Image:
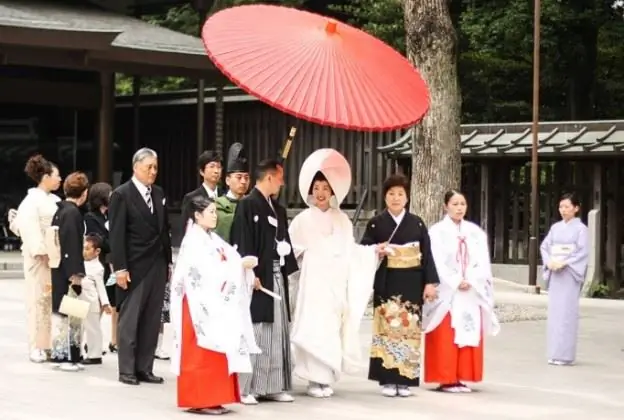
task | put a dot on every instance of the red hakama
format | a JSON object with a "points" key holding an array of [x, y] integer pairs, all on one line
{"points": [[204, 381], [445, 362]]}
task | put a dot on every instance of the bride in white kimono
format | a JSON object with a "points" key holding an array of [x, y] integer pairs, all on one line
{"points": [[456, 323], [335, 278], [213, 335]]}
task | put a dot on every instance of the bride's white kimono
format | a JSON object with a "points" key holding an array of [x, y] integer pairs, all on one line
{"points": [[209, 272], [334, 287], [461, 252]]}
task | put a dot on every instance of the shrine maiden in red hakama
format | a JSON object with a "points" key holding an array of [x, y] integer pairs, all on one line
{"points": [[210, 297], [456, 322]]}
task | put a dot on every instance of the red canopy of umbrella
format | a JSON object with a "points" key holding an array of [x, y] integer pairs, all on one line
{"points": [[316, 68]]}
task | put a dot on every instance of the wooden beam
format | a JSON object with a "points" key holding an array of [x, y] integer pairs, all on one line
{"points": [[58, 38], [43, 92], [116, 63]]}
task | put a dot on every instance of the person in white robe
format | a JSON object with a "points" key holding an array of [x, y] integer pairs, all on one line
{"points": [[335, 280], [456, 322], [213, 336]]}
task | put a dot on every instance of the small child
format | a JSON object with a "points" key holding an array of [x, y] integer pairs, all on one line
{"points": [[94, 292]]}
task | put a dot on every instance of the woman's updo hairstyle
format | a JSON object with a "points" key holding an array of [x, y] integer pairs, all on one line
{"points": [[199, 204], [319, 176], [37, 167], [396, 180], [572, 197], [450, 193]]}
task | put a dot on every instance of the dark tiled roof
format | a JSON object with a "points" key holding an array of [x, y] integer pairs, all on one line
{"points": [[134, 33], [555, 138]]}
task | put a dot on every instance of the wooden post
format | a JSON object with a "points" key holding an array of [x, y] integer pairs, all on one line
{"points": [[136, 112], [105, 131], [219, 117], [201, 87]]}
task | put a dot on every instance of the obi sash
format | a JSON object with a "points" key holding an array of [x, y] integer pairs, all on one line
{"points": [[405, 256]]}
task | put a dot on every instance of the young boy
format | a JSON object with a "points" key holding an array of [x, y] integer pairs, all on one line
{"points": [[94, 292]]}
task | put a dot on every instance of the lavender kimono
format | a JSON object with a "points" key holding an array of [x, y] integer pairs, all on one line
{"points": [[566, 242]]}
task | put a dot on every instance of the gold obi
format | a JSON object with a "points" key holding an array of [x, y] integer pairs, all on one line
{"points": [[405, 257]]}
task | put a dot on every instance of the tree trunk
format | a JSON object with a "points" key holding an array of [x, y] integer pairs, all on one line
{"points": [[436, 162]]}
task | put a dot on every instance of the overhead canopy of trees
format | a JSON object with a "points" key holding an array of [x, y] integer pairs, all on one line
{"points": [[582, 53]]}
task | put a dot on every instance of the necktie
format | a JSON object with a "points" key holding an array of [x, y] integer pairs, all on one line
{"points": [[148, 199]]}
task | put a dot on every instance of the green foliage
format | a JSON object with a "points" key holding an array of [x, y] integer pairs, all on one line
{"points": [[381, 18], [600, 291]]}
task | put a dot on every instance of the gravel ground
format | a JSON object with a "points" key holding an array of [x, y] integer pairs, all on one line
{"points": [[506, 312]]}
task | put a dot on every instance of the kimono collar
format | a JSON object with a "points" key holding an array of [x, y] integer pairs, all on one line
{"points": [[450, 224], [397, 219]]}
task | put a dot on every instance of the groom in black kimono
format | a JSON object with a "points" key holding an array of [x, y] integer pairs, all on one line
{"points": [[260, 229]]}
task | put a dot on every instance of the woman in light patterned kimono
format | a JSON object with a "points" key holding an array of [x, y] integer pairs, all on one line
{"points": [[33, 217], [565, 253]]}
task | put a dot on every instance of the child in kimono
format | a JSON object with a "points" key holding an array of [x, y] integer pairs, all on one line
{"points": [[94, 292], [565, 254]]}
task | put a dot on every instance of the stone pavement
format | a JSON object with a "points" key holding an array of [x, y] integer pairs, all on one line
{"points": [[519, 384]]}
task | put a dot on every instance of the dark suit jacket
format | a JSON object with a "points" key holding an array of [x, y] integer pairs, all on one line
{"points": [[186, 211], [139, 240], [95, 222]]}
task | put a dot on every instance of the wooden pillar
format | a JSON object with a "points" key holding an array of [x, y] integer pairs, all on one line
{"points": [[486, 202], [136, 113], [106, 127], [501, 213], [613, 227], [599, 203], [219, 116]]}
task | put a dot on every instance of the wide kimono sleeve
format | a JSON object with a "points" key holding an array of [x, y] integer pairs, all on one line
{"points": [[29, 228], [290, 265], [296, 230], [369, 237], [118, 214], [242, 233], [545, 252], [577, 261], [439, 243], [428, 262]]}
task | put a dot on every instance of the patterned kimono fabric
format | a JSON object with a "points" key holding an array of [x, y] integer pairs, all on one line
{"points": [[66, 337], [568, 242], [272, 372], [35, 214], [398, 297]]}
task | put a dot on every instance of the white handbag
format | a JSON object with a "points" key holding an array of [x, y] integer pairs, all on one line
{"points": [[53, 246], [74, 307]]}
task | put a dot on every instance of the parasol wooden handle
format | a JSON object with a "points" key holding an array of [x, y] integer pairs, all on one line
{"points": [[288, 144]]}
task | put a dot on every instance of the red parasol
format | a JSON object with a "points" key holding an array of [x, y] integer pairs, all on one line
{"points": [[316, 68]]}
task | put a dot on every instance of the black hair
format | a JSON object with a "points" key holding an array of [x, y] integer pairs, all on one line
{"points": [[94, 239], [198, 204], [450, 193], [206, 157], [395, 180], [99, 194], [266, 167], [572, 197], [319, 176], [37, 167]]}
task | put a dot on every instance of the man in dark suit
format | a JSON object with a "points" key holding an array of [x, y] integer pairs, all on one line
{"points": [[210, 167], [141, 257]]}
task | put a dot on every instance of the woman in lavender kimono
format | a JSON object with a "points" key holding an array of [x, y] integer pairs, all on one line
{"points": [[564, 255]]}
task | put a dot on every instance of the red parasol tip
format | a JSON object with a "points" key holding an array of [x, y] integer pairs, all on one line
{"points": [[330, 27]]}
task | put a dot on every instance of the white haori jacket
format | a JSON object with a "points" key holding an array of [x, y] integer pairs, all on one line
{"points": [[218, 289], [461, 253]]}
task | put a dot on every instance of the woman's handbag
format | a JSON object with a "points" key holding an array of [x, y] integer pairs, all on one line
{"points": [[52, 246], [74, 307]]}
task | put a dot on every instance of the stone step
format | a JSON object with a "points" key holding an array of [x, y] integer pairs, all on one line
{"points": [[11, 274]]}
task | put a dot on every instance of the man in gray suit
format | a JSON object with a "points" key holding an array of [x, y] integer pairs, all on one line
{"points": [[141, 257]]}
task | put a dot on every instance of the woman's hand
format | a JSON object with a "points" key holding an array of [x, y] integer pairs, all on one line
{"points": [[257, 284], [464, 285], [431, 293], [382, 249]]}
